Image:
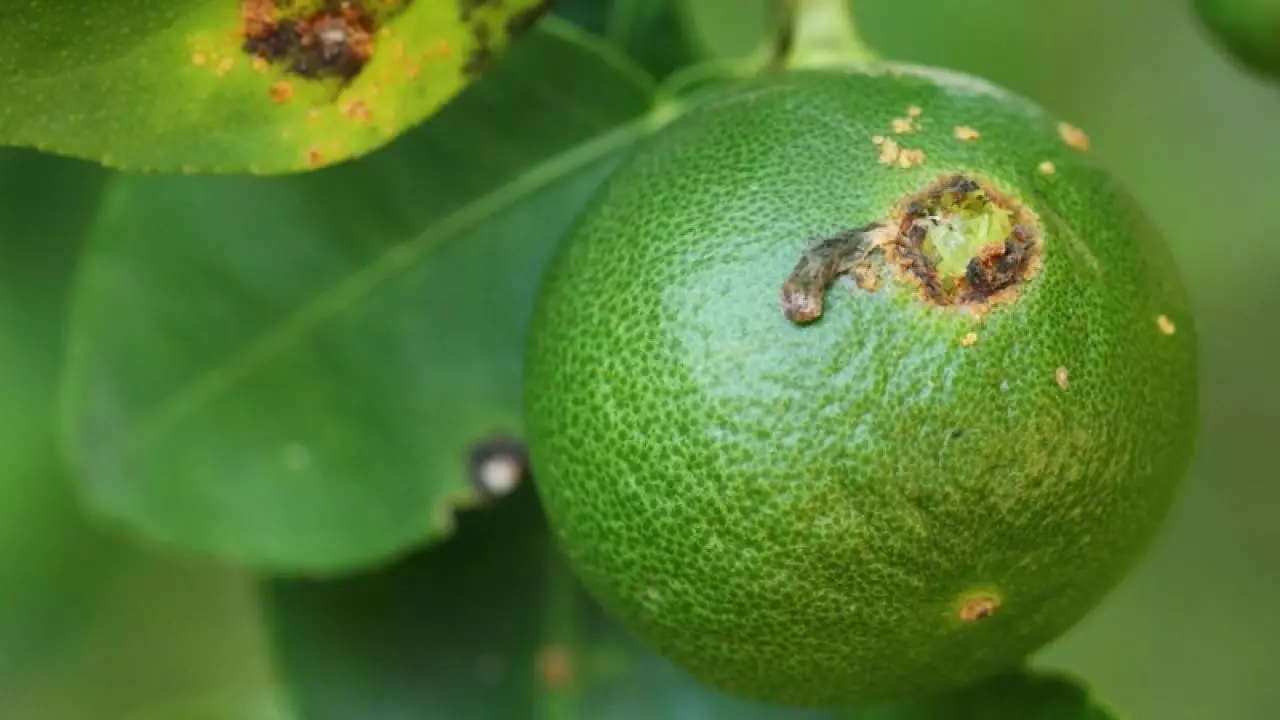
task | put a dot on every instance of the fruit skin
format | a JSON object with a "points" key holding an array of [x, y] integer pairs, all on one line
{"points": [[1250, 29], [797, 513]]}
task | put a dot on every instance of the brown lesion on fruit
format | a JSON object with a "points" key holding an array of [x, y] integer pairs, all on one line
{"points": [[805, 290], [315, 39], [960, 241], [977, 606]]}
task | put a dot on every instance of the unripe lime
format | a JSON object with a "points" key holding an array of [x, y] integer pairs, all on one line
{"points": [[901, 487], [1249, 29]]}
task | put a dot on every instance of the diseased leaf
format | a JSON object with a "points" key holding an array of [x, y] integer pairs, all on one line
{"points": [[292, 372], [263, 86], [490, 624], [1023, 695]]}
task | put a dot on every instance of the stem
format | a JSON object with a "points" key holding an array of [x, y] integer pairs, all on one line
{"points": [[820, 34]]}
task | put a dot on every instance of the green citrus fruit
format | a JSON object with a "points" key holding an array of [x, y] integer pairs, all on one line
{"points": [[859, 385], [1250, 29]]}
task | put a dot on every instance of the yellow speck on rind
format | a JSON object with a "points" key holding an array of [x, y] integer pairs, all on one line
{"points": [[890, 150], [1166, 325], [908, 159], [902, 126], [1073, 136], [1048, 168], [970, 339], [1063, 378], [964, 133]]}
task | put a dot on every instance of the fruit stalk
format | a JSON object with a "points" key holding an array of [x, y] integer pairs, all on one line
{"points": [[819, 34]]}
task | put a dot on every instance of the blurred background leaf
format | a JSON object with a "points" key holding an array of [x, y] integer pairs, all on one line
{"points": [[1016, 696], [291, 372], [167, 85], [90, 627], [488, 625]]}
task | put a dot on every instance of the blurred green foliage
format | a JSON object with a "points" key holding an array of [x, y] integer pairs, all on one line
{"points": [[94, 626]]}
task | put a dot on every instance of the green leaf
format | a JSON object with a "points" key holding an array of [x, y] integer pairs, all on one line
{"points": [[654, 33], [1018, 696], [729, 28], [490, 624], [184, 85], [292, 372], [89, 626]]}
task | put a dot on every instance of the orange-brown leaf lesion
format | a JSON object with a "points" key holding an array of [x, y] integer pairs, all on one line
{"points": [[330, 39]]}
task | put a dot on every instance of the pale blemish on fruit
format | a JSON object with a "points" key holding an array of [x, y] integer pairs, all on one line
{"points": [[554, 667], [1063, 378], [902, 126], [1166, 325], [893, 154], [961, 242], [1047, 168], [969, 339], [282, 91], [977, 606], [1073, 136], [964, 133], [914, 111], [890, 150]]}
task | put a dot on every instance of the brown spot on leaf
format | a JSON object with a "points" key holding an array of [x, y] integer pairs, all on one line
{"points": [[314, 158], [335, 40], [357, 110], [554, 666], [282, 91]]}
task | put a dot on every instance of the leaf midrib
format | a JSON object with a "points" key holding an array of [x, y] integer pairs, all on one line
{"points": [[344, 294]]}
